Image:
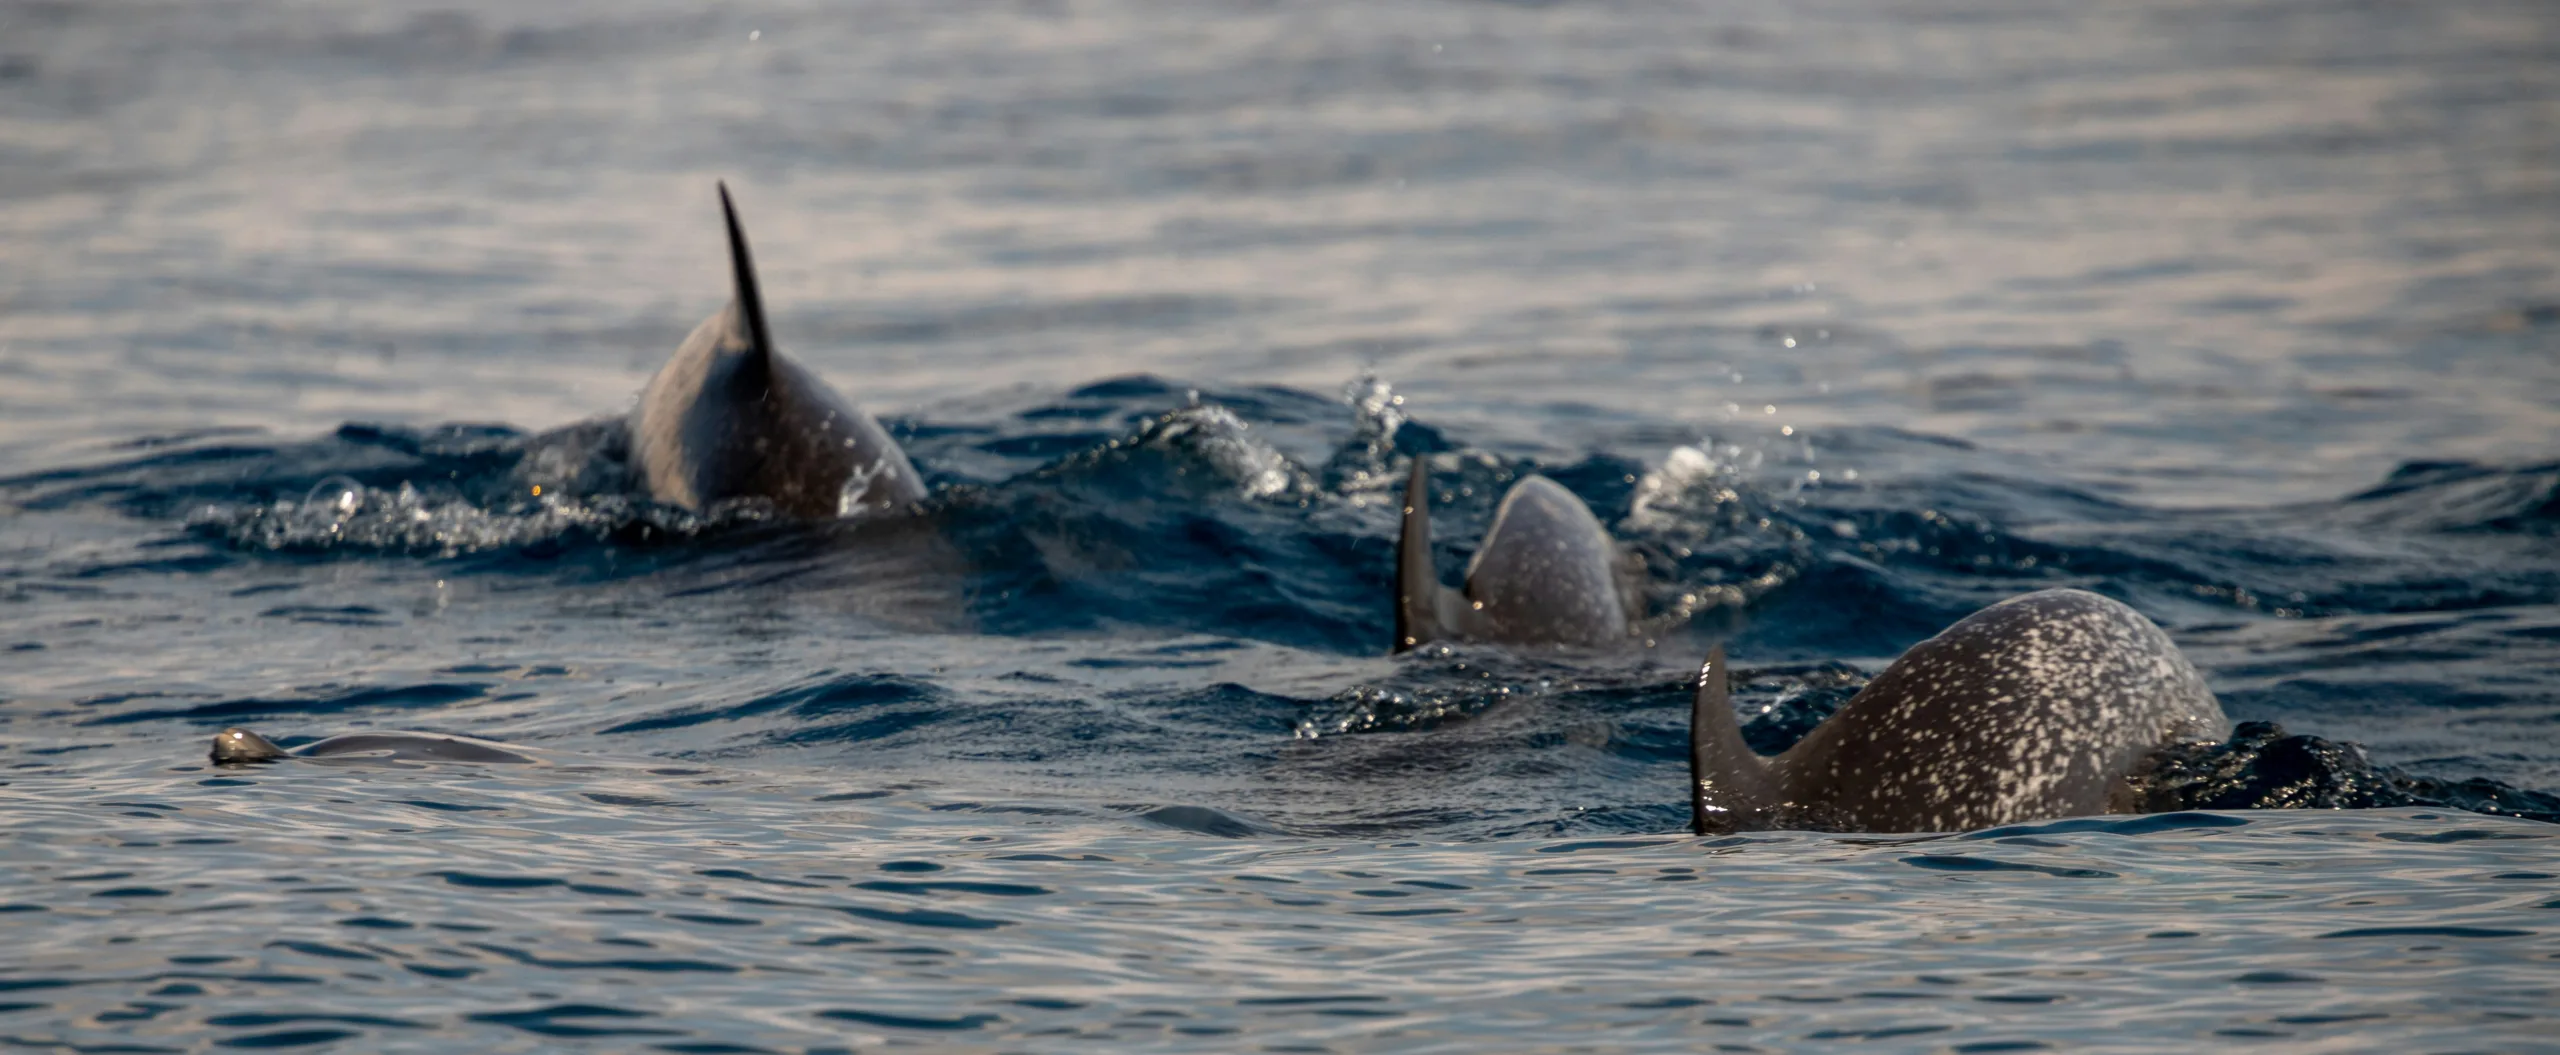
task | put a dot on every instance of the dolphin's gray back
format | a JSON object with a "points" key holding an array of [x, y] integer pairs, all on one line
{"points": [[2035, 707], [413, 747], [723, 421], [1548, 573]]}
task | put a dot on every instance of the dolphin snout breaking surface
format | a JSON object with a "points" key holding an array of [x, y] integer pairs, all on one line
{"points": [[237, 746]]}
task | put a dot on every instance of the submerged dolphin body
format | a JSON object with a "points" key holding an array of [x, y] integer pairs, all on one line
{"points": [[237, 746], [730, 417], [1548, 573], [2037, 707]]}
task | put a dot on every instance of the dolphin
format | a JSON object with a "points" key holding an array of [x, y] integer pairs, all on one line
{"points": [[1547, 574], [240, 747], [730, 417], [2037, 707]]}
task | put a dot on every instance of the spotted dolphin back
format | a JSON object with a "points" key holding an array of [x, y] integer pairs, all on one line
{"points": [[2036, 707], [729, 416], [1548, 573]]}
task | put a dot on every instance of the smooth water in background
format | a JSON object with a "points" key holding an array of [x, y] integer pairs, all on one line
{"points": [[1847, 317]]}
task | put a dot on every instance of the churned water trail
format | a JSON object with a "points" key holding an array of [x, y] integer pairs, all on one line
{"points": [[318, 323]]}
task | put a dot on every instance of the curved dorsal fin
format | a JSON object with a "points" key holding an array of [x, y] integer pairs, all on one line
{"points": [[1420, 599], [1722, 768], [750, 300]]}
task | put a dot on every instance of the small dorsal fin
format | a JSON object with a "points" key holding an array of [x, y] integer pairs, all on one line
{"points": [[1417, 582], [1722, 767], [1426, 610], [750, 299]]}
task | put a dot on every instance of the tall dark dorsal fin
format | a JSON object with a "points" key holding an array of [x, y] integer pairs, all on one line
{"points": [[750, 300], [1725, 775], [1418, 586]]}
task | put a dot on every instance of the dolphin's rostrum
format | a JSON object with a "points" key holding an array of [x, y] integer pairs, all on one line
{"points": [[2037, 707], [731, 417]]}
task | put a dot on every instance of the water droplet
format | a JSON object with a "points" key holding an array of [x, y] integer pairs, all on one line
{"points": [[340, 493]]}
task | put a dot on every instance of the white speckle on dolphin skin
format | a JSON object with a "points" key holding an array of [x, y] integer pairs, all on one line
{"points": [[2030, 708], [1546, 573]]}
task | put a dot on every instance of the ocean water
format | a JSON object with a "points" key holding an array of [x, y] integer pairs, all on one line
{"points": [[316, 321]]}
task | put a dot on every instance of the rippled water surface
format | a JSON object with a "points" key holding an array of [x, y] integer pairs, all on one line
{"points": [[1848, 319]]}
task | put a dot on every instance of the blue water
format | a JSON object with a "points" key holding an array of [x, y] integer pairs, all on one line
{"points": [[1846, 318]]}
